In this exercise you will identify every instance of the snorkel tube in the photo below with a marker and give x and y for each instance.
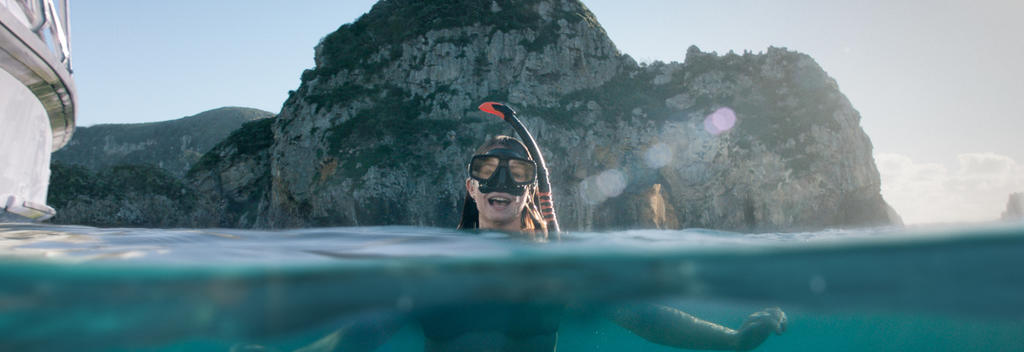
(547, 205)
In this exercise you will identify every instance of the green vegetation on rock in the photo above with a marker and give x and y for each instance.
(70, 182)
(390, 134)
(124, 195)
(252, 138)
(393, 22)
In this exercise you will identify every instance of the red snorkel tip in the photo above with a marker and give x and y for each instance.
(492, 108)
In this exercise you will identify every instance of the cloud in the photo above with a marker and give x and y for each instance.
(986, 163)
(975, 189)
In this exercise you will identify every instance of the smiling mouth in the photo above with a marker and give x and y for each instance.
(502, 201)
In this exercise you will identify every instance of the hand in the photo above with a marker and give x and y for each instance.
(759, 326)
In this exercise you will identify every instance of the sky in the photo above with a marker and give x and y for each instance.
(937, 83)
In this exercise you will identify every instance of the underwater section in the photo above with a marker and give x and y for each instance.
(884, 289)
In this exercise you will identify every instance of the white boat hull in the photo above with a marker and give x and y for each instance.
(25, 147)
(37, 104)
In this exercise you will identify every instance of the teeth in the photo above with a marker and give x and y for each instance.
(502, 200)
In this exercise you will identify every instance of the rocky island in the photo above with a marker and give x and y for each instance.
(379, 131)
(1014, 207)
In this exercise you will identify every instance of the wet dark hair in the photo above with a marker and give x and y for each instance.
(530, 218)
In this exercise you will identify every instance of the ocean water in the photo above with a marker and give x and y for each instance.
(884, 289)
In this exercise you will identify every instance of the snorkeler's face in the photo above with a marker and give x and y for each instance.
(498, 210)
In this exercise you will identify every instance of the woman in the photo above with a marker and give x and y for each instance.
(501, 194)
(501, 190)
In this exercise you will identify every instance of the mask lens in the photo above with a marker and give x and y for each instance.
(483, 166)
(522, 171)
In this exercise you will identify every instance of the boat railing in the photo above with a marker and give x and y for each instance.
(35, 48)
(47, 22)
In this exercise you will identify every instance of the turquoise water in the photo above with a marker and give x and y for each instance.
(83, 288)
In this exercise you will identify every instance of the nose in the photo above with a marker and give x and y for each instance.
(502, 175)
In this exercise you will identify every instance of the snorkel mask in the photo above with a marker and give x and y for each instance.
(503, 170)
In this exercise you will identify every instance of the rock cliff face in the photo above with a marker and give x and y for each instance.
(173, 145)
(234, 178)
(380, 130)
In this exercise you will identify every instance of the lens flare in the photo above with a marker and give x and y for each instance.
(611, 182)
(720, 121)
(658, 155)
(597, 188)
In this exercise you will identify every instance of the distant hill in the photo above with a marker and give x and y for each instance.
(173, 145)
